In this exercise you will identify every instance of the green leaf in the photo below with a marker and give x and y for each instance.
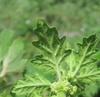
(14, 56)
(30, 85)
(54, 53)
(82, 64)
(11, 54)
(53, 49)
(5, 42)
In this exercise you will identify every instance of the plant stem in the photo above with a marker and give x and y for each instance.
(58, 72)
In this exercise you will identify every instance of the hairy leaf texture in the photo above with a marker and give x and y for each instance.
(31, 85)
(53, 49)
(82, 64)
(53, 52)
(54, 56)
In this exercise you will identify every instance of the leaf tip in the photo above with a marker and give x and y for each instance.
(40, 22)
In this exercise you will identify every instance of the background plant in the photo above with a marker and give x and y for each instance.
(12, 62)
(74, 18)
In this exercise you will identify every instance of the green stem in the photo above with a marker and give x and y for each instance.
(58, 72)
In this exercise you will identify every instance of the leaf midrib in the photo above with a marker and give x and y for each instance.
(32, 85)
(89, 75)
(82, 59)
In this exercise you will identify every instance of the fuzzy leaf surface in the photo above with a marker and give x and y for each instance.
(52, 48)
(30, 85)
(82, 64)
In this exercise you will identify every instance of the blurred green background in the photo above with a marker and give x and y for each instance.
(72, 18)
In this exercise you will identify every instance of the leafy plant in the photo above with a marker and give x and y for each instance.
(72, 69)
(11, 59)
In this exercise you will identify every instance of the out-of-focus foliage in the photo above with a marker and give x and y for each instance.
(66, 15)
(12, 63)
(72, 18)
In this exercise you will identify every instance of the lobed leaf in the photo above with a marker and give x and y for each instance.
(30, 85)
(53, 49)
(82, 64)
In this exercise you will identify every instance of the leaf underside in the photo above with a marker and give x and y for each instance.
(82, 64)
(31, 84)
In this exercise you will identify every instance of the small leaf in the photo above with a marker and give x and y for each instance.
(31, 85)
